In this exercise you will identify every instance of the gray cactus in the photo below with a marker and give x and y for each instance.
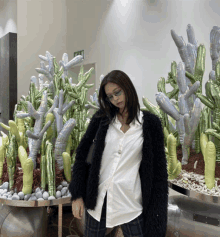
(35, 138)
(67, 65)
(60, 111)
(61, 141)
(48, 58)
(214, 46)
(44, 70)
(186, 120)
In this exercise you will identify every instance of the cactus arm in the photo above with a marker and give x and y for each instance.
(69, 144)
(60, 145)
(51, 186)
(5, 126)
(49, 117)
(182, 48)
(10, 162)
(213, 133)
(27, 176)
(210, 154)
(14, 130)
(67, 166)
(174, 166)
(2, 156)
(205, 100)
(68, 106)
(37, 142)
(214, 45)
(43, 171)
(54, 105)
(152, 108)
(165, 104)
(203, 142)
(191, 77)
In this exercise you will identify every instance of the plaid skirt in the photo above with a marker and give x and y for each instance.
(94, 228)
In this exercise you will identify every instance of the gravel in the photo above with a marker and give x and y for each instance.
(196, 182)
(38, 194)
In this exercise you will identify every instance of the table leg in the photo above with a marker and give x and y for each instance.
(60, 214)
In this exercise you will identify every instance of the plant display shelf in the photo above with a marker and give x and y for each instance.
(193, 194)
(34, 204)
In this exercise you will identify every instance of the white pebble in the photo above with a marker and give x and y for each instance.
(63, 191)
(51, 198)
(37, 190)
(32, 198)
(59, 188)
(45, 195)
(64, 196)
(40, 199)
(4, 185)
(58, 194)
(64, 183)
(39, 195)
(15, 197)
(21, 195)
(27, 196)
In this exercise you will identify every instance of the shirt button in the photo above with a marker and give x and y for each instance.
(119, 152)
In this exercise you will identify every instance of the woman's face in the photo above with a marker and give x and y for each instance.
(115, 95)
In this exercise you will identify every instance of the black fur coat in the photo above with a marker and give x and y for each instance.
(153, 172)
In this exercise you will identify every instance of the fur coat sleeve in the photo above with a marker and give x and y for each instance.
(156, 215)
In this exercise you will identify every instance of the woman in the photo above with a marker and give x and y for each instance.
(126, 184)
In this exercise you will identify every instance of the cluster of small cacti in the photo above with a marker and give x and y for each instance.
(180, 110)
(50, 120)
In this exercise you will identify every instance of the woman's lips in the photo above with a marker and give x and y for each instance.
(119, 103)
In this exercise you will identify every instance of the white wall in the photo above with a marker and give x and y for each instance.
(42, 26)
(134, 36)
(8, 17)
(129, 35)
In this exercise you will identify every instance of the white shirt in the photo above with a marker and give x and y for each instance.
(119, 174)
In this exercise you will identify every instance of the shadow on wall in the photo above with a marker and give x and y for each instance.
(212, 6)
(155, 10)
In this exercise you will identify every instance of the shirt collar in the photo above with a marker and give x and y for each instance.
(134, 122)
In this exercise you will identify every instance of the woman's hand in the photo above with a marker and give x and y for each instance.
(78, 208)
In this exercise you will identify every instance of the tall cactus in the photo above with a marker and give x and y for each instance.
(186, 121)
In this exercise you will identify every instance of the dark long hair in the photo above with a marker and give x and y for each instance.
(132, 104)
